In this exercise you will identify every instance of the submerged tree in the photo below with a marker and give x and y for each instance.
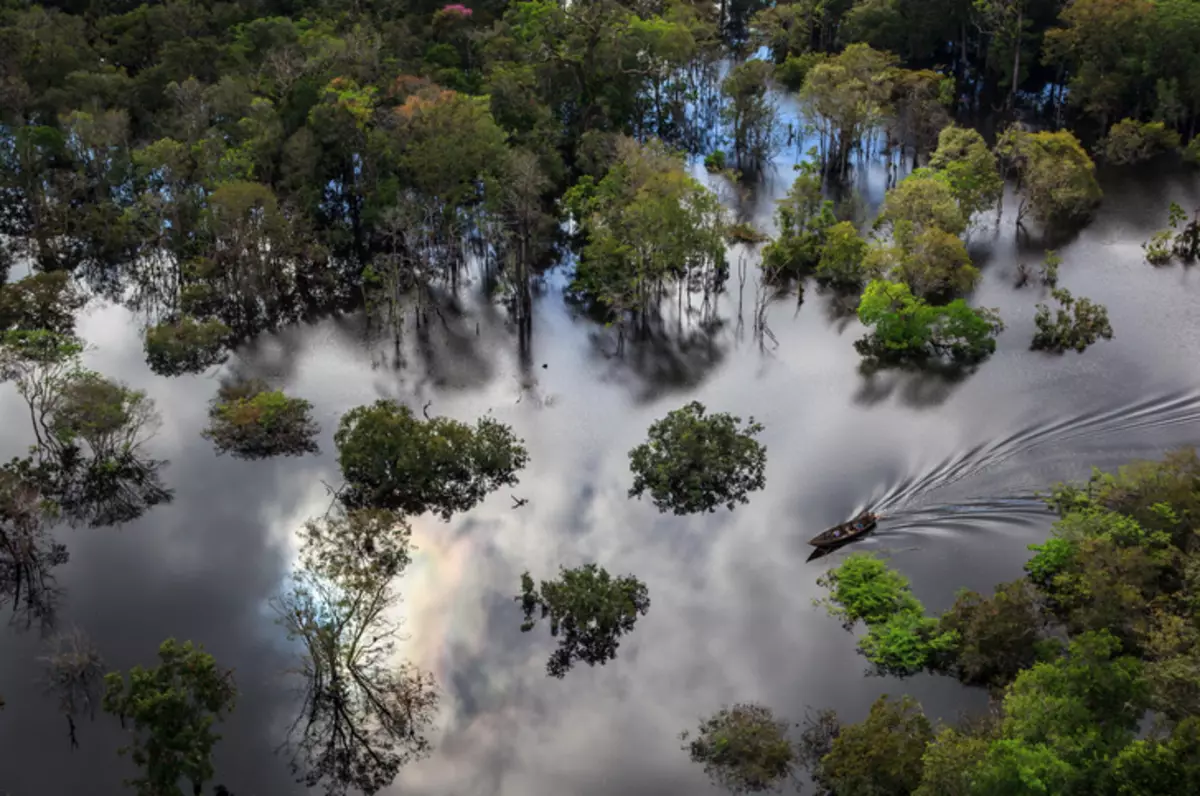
(849, 95)
(693, 463)
(170, 710)
(252, 421)
(394, 460)
(906, 329)
(363, 715)
(1075, 325)
(883, 754)
(589, 611)
(1130, 141)
(970, 168)
(804, 218)
(744, 749)
(843, 256)
(750, 114)
(650, 228)
(1054, 174)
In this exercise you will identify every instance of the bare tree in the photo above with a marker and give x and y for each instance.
(74, 672)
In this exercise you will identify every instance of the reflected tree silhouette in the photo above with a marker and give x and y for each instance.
(363, 717)
(74, 674)
(28, 554)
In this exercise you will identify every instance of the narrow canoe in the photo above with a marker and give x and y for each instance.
(846, 532)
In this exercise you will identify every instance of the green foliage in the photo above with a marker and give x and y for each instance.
(253, 422)
(46, 302)
(1191, 152)
(715, 161)
(882, 755)
(1055, 174)
(744, 233)
(849, 95)
(864, 589)
(792, 73)
(648, 225)
(803, 217)
(749, 113)
(970, 168)
(997, 636)
(906, 644)
(1130, 141)
(906, 329)
(186, 345)
(588, 610)
(843, 255)
(1076, 324)
(170, 710)
(744, 749)
(391, 459)
(923, 220)
(692, 463)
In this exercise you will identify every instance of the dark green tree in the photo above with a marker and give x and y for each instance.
(882, 755)
(589, 611)
(744, 749)
(169, 711)
(692, 463)
(1076, 324)
(394, 460)
(186, 346)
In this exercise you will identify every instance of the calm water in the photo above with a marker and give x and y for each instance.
(954, 465)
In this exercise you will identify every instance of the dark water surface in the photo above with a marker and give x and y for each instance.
(954, 465)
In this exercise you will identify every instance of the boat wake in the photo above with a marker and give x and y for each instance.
(1169, 410)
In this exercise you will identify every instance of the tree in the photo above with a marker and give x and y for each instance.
(900, 639)
(882, 755)
(171, 709)
(649, 227)
(750, 113)
(923, 220)
(253, 422)
(744, 749)
(28, 554)
(1076, 324)
(849, 93)
(906, 329)
(363, 716)
(970, 168)
(390, 459)
(692, 463)
(186, 345)
(1130, 141)
(589, 611)
(1054, 173)
(842, 255)
(804, 217)
(998, 636)
(45, 301)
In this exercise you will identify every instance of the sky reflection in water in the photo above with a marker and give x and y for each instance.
(953, 464)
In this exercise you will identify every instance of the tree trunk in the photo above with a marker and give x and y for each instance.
(1016, 73)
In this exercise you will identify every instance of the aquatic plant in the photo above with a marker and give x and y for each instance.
(1076, 324)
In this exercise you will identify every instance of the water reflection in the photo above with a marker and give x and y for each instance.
(952, 466)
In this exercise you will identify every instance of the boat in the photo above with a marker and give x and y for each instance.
(846, 532)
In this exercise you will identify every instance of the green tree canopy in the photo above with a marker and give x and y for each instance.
(692, 462)
(170, 710)
(589, 611)
(744, 749)
(394, 460)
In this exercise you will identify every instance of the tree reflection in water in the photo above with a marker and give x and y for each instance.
(363, 716)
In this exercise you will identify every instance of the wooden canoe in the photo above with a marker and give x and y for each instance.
(846, 532)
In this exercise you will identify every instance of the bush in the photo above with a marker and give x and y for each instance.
(1077, 324)
(842, 255)
(792, 72)
(1129, 141)
(251, 422)
(715, 161)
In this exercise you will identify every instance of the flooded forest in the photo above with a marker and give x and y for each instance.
(535, 398)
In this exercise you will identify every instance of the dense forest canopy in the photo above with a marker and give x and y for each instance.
(223, 169)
